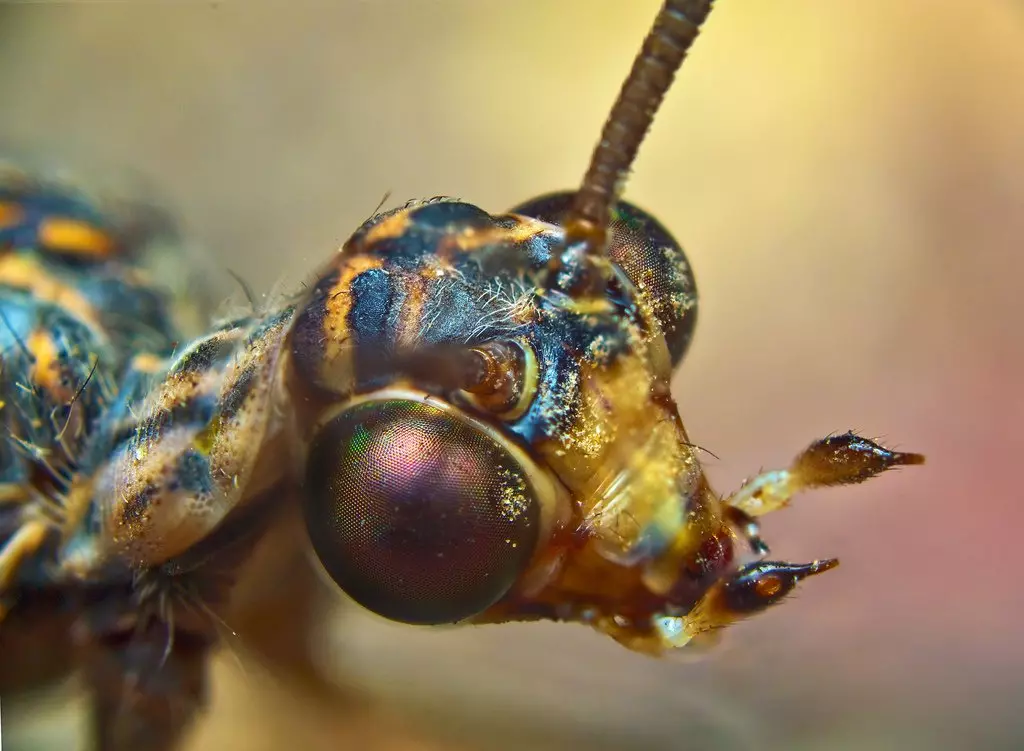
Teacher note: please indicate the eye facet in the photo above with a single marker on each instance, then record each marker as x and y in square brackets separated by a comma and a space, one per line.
[416, 514]
[650, 257]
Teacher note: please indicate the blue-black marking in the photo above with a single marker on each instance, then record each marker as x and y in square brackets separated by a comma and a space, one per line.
[373, 293]
[135, 507]
[239, 392]
[193, 473]
[308, 335]
[196, 411]
[449, 216]
[206, 355]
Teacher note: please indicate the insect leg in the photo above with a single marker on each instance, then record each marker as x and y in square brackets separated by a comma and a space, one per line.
[749, 590]
[29, 537]
[13, 494]
[35, 648]
[844, 459]
[147, 684]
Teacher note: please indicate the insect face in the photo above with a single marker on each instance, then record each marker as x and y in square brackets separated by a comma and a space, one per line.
[478, 446]
[486, 427]
[482, 426]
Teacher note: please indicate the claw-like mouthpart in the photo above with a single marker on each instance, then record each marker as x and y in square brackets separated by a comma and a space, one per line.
[845, 459]
[818, 567]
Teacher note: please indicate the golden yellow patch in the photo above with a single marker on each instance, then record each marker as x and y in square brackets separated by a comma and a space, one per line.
[474, 239]
[339, 304]
[77, 237]
[27, 274]
[147, 363]
[394, 226]
[45, 371]
[207, 437]
[410, 318]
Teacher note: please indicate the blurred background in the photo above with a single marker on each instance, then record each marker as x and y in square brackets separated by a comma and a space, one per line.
[848, 178]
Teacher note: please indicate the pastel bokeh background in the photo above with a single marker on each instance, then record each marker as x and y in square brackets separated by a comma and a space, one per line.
[848, 176]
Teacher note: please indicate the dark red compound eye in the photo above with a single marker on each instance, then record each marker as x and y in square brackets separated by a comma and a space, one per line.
[416, 514]
[651, 258]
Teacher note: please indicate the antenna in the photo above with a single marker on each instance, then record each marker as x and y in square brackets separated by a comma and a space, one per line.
[586, 225]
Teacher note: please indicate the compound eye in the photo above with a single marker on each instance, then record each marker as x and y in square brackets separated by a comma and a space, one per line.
[416, 514]
[651, 258]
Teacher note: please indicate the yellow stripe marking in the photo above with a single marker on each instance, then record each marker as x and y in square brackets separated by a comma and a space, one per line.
[410, 319]
[339, 304]
[147, 363]
[45, 371]
[23, 543]
[25, 273]
[394, 226]
[77, 237]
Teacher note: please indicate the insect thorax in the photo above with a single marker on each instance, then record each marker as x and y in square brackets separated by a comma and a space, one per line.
[88, 314]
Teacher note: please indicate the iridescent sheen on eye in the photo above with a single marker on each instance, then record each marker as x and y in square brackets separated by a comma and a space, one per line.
[417, 514]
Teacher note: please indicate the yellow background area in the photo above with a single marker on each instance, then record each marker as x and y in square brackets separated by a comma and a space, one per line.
[848, 179]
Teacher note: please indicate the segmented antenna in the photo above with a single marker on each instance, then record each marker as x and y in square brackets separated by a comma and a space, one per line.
[675, 28]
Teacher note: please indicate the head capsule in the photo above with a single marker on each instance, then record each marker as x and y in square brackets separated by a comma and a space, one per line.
[479, 447]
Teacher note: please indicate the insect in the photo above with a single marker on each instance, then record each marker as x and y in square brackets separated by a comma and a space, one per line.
[468, 414]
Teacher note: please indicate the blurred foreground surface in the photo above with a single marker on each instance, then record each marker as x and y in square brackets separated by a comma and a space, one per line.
[849, 180]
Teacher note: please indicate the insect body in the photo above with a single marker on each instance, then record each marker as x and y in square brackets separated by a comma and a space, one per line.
[470, 414]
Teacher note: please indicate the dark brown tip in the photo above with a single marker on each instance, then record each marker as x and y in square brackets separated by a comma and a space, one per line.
[905, 459]
[818, 567]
